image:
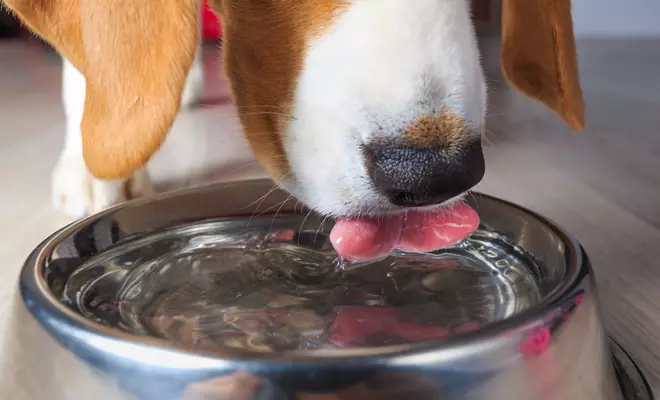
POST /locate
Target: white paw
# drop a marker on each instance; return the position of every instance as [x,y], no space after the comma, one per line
[78,194]
[194,89]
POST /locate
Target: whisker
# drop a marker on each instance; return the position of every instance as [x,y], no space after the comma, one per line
[262,198]
[486,136]
[474,197]
[302,224]
[493,107]
[320,228]
[295,206]
[280,204]
[487,140]
[272,222]
[499,114]
[235,170]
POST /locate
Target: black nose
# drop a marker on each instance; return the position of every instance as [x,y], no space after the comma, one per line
[413,177]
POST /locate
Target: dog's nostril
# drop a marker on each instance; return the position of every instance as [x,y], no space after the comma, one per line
[414,177]
[406,199]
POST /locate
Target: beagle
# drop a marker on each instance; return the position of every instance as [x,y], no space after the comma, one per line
[359,108]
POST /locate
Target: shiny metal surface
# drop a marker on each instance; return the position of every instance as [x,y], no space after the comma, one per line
[555,349]
[632,382]
[275,284]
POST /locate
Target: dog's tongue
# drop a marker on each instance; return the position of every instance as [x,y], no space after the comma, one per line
[359,239]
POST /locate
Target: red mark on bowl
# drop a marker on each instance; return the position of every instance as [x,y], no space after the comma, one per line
[537,343]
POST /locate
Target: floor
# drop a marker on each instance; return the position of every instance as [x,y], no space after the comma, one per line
[601,184]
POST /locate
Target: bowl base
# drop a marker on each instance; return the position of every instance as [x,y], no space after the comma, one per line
[631,380]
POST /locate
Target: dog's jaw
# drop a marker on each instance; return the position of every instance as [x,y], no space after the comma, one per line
[378,68]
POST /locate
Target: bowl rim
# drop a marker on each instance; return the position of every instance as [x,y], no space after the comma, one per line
[62,322]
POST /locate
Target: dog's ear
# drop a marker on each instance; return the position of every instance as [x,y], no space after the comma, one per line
[539,56]
[135,56]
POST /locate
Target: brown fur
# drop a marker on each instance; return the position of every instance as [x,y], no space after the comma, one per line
[264,46]
[135,56]
[539,56]
[438,131]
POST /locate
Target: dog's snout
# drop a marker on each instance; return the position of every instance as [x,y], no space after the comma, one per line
[414,177]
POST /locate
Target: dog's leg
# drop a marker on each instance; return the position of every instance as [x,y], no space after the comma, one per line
[194,89]
[75,191]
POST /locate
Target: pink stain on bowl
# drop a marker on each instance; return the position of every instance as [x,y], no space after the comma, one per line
[537,343]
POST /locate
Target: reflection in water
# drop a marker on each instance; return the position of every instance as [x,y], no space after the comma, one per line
[210,288]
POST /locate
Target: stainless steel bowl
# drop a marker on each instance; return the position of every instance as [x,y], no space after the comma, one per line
[149,299]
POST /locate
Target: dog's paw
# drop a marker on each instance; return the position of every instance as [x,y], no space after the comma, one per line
[76,193]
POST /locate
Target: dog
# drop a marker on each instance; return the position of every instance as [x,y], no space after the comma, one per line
[359,108]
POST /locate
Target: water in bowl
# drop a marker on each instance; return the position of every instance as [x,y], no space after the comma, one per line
[228,284]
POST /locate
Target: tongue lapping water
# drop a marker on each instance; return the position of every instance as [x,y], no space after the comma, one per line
[210,288]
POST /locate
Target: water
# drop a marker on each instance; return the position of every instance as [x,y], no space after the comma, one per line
[208,288]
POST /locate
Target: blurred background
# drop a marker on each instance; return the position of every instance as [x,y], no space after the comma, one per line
[602,184]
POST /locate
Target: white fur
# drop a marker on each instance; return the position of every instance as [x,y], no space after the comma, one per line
[75,191]
[382,64]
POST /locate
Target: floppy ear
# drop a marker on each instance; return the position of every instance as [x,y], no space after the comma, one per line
[135,55]
[539,57]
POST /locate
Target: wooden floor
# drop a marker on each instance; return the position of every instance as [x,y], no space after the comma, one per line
[602,184]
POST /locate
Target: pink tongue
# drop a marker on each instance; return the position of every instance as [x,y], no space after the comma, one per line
[365,239]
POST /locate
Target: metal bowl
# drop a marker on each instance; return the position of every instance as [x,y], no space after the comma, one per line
[227,293]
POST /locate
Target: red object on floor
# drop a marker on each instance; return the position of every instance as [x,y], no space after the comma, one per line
[211,28]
